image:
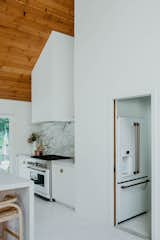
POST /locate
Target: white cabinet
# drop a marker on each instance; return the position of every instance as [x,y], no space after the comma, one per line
[63,180]
[22,167]
[52,80]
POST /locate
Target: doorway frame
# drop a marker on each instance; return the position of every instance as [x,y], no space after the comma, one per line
[115,163]
[155,164]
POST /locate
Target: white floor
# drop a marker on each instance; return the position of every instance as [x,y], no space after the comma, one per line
[56,222]
[140,225]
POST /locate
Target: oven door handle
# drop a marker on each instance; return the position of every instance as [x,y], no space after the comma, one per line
[36,181]
[38,170]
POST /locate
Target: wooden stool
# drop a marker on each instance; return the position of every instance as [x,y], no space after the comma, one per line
[9,210]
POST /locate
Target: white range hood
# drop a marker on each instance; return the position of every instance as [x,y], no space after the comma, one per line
[52,80]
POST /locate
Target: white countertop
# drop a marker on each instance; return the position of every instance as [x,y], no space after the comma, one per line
[66,162]
[10,182]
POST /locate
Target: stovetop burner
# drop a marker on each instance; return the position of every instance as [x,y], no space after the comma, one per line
[51,157]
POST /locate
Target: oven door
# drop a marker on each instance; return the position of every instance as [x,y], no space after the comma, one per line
[41,181]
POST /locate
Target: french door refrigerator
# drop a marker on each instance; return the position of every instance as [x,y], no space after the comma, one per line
[131,175]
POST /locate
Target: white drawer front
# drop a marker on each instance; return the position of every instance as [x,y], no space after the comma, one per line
[132,200]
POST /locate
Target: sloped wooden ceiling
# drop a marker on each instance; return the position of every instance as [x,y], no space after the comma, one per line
[25,26]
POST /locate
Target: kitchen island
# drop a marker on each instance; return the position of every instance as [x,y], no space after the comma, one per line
[10,184]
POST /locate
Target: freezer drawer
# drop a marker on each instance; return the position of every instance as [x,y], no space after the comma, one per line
[131,199]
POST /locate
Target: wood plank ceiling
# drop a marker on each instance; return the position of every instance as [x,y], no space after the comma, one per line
[25,26]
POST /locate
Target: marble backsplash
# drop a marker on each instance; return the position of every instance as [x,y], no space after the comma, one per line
[57,137]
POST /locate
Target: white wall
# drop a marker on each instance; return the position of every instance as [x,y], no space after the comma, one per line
[133,107]
[20,114]
[116,54]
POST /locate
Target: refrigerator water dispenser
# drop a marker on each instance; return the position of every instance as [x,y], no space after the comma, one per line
[126,163]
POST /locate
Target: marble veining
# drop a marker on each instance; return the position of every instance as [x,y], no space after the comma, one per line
[57,137]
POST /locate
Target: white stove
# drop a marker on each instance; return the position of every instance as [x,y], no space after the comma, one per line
[40,172]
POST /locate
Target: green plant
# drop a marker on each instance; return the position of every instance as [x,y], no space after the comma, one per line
[33,137]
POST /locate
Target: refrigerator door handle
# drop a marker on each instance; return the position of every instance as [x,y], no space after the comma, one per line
[137,147]
[132,185]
